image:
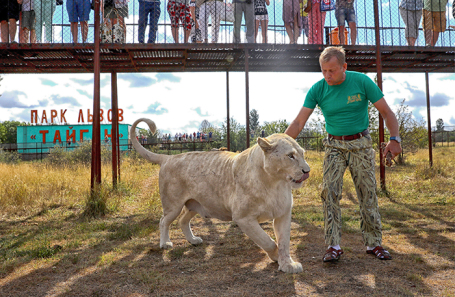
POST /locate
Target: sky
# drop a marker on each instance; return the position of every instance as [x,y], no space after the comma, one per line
[179,102]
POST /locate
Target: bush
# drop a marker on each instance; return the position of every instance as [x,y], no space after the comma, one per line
[9,157]
[80,155]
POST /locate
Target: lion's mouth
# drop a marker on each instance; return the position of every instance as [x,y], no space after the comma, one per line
[304,177]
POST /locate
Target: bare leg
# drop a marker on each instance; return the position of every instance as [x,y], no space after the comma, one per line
[4,32]
[434,39]
[175,34]
[411,41]
[256,31]
[428,37]
[341,34]
[33,36]
[12,29]
[296,28]
[74,31]
[353,27]
[290,32]
[187,35]
[23,38]
[264,25]
[84,31]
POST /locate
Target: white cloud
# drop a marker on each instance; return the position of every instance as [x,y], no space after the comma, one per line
[179,103]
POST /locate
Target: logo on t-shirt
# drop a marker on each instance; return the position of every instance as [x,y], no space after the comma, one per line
[354,98]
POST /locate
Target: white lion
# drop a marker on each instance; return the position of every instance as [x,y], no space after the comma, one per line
[248,188]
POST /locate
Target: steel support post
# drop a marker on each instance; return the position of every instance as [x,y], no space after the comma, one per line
[228,121]
[379,82]
[114,129]
[430,139]
[96,131]
[247,99]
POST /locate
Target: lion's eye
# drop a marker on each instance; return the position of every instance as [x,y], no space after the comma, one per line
[291,156]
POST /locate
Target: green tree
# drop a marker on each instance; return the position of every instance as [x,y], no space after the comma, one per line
[412,132]
[9,129]
[439,125]
[254,122]
[206,127]
[237,135]
[275,127]
[151,137]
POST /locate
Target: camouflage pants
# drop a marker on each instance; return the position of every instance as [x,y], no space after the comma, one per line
[359,156]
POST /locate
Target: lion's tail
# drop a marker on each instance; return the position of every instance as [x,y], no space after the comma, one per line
[152,157]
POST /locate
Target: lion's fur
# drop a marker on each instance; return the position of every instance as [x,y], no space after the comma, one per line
[248,187]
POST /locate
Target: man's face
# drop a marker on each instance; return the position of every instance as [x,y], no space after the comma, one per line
[334,73]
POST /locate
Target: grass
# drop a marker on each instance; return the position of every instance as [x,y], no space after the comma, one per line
[48,247]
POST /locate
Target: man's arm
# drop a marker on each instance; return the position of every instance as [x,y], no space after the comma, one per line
[392,124]
[297,125]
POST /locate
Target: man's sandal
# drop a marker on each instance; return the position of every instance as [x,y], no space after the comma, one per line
[332,255]
[380,253]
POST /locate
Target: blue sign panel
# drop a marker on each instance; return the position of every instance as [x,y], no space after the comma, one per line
[41,138]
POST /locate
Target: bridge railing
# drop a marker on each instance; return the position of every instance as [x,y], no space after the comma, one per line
[131,21]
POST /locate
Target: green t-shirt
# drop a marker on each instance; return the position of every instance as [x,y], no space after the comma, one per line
[435,5]
[344,106]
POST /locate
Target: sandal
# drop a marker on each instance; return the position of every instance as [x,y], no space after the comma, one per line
[380,253]
[332,255]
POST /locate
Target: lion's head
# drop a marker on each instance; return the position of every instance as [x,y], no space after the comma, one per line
[284,156]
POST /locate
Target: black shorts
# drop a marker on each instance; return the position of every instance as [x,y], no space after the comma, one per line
[9,9]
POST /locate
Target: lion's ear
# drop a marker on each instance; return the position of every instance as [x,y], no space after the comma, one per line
[264,144]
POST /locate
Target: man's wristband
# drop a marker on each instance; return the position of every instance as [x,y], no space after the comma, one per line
[396,138]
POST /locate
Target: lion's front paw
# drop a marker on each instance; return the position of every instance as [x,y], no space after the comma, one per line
[195,240]
[291,267]
[166,245]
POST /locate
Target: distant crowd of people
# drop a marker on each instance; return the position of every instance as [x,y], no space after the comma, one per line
[299,16]
[179,137]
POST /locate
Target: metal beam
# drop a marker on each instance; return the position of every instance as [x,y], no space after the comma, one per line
[430,139]
[228,121]
[114,128]
[247,99]
[96,139]
[379,82]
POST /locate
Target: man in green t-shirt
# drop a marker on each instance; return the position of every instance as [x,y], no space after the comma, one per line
[343,98]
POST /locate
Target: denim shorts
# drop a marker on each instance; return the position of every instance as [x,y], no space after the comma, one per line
[78,10]
[345,15]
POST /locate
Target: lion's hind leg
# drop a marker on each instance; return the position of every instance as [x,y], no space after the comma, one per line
[186,226]
[165,222]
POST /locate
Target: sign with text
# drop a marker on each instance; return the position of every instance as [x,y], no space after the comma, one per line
[33,138]
[53,117]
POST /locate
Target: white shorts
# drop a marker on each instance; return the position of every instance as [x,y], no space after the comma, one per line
[262,17]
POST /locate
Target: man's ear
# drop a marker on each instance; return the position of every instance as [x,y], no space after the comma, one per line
[264,144]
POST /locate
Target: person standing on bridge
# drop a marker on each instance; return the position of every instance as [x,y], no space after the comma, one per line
[434,20]
[411,13]
[343,97]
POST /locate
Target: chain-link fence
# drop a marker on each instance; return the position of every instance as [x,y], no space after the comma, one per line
[211,21]
[444,136]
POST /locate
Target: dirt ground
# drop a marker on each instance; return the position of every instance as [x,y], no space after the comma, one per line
[230,264]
